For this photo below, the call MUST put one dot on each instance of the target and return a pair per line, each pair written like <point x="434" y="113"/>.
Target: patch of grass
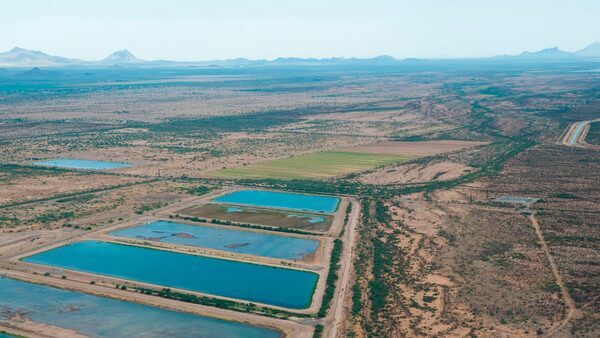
<point x="219" y="303"/>
<point x="199" y="190"/>
<point x="78" y="199"/>
<point x="565" y="195"/>
<point x="6" y="334"/>
<point x="494" y="248"/>
<point x="148" y="207"/>
<point x="318" y="331"/>
<point x="319" y="165"/>
<point x="249" y="226"/>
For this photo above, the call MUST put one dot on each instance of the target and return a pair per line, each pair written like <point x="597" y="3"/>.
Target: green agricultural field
<point x="319" y="165"/>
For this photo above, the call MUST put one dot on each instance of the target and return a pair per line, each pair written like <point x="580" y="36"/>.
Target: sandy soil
<point x="415" y="173"/>
<point x="572" y="312"/>
<point x="20" y="322"/>
<point x="36" y="187"/>
<point x="421" y="148"/>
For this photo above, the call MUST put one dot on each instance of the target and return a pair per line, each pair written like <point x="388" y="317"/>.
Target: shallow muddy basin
<point x="72" y="163"/>
<point x="220" y="277"/>
<point x="103" y="317"/>
<point x="281" y="200"/>
<point x="240" y="241"/>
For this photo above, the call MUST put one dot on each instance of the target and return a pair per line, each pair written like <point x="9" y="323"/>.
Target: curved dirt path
<point x="572" y="312"/>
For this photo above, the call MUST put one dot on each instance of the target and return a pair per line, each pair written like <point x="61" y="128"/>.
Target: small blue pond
<point x="72" y="163"/>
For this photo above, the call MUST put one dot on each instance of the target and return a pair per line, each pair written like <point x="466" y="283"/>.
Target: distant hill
<point x="378" y="60"/>
<point x="592" y="50"/>
<point x="547" y="54"/>
<point x="38" y="72"/>
<point x="19" y="57"/>
<point x="122" y="56"/>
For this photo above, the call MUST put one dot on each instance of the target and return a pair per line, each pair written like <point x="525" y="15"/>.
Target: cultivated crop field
<point x="319" y="165"/>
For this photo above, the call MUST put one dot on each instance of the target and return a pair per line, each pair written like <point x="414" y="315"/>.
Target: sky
<point x="194" y="30"/>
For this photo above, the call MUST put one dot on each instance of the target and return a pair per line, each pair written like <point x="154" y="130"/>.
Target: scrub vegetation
<point x="435" y="255"/>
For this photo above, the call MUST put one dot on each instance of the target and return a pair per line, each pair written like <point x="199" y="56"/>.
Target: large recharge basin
<point x="72" y="163"/>
<point x="245" y="242"/>
<point x="245" y="281"/>
<point x="576" y="132"/>
<point x="282" y="200"/>
<point x="102" y="317"/>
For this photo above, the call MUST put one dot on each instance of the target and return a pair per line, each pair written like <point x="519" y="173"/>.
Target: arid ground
<point x="431" y="159"/>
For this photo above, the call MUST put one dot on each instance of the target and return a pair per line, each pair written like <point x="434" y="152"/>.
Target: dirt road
<point x="335" y="319"/>
<point x="572" y="309"/>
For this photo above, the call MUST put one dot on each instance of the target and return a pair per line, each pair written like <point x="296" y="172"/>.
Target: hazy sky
<point x="201" y="30"/>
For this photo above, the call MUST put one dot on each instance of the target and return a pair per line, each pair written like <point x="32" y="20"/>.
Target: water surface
<point x="578" y="129"/>
<point x="311" y="219"/>
<point x="246" y="281"/>
<point x="103" y="317"/>
<point x="72" y="163"/>
<point x="282" y="200"/>
<point x="245" y="242"/>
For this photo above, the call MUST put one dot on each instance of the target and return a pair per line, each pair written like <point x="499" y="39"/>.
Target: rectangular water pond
<point x="282" y="200"/>
<point x="576" y="132"/>
<point x="72" y="163"/>
<point x="245" y="242"/>
<point x="245" y="281"/>
<point x="103" y="317"/>
<point x="257" y="215"/>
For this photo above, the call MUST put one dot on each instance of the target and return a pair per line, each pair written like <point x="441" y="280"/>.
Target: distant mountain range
<point x="19" y="57"/>
<point x="591" y="51"/>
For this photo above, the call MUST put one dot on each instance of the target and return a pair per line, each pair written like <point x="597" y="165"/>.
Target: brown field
<point x="260" y="216"/>
<point x="92" y="210"/>
<point x="37" y="187"/>
<point x="415" y="173"/>
<point x="421" y="148"/>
